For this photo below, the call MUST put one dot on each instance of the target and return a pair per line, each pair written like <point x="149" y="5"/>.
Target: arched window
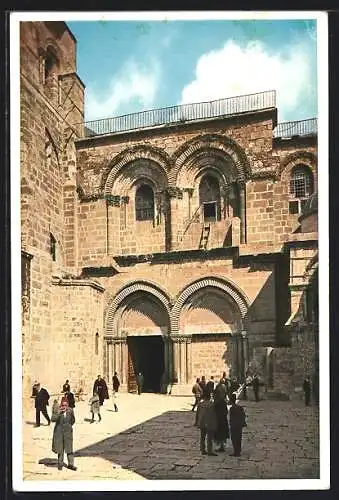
<point x="144" y="203"/>
<point x="51" y="64"/>
<point x="53" y="246"/>
<point x="97" y="343"/>
<point x="209" y="198"/>
<point x="301" y="188"/>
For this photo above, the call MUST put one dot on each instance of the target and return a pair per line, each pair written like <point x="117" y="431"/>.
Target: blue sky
<point x="129" y="66"/>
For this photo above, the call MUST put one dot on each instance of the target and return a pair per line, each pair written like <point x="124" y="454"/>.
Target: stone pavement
<point x="153" y="437"/>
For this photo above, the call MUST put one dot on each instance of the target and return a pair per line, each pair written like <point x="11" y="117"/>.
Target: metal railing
<point x="182" y="113"/>
<point x="301" y="127"/>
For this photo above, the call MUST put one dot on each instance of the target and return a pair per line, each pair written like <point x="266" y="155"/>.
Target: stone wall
<point x="76" y="342"/>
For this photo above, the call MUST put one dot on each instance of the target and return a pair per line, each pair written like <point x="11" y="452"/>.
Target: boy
<point x="207" y="422"/>
<point x="237" y="422"/>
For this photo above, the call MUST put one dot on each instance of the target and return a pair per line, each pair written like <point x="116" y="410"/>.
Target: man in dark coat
<point x="116" y="385"/>
<point x="66" y="387"/>
<point x="207" y="422"/>
<point x="210" y="386"/>
<point x="63" y="434"/>
<point x="202" y="384"/>
<point x="100" y="387"/>
<point x="222" y="432"/>
<point x="140" y="382"/>
<point x="255" y="385"/>
<point x="41" y="402"/>
<point x="307" y="390"/>
<point x="237" y="422"/>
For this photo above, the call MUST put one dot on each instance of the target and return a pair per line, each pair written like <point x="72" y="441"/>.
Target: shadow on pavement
<point x="166" y="446"/>
<point x="50" y="462"/>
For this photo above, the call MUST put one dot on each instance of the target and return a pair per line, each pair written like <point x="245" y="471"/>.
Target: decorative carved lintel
<point x="174" y="192"/>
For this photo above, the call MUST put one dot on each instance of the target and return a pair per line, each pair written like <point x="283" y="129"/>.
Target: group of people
<point x="63" y="414"/>
<point x="100" y="393"/>
<point x="211" y="401"/>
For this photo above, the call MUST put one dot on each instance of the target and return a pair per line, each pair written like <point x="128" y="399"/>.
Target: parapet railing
<point x="301" y="127"/>
<point x="182" y="113"/>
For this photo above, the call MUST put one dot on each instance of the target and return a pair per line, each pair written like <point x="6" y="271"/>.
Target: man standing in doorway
<point x="140" y="382"/>
<point x="116" y="385"/>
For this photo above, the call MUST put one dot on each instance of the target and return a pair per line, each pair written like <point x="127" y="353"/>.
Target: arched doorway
<point x="143" y="321"/>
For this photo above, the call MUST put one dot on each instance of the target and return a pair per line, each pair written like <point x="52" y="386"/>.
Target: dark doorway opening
<point x="147" y="356"/>
<point x="210" y="211"/>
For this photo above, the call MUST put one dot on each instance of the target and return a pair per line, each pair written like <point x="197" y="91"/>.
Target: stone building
<point x="170" y="241"/>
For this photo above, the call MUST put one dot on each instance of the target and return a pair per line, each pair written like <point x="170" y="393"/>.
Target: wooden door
<point x="131" y="376"/>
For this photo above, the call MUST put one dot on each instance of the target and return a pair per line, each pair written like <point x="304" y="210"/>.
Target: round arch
<point x="220" y="146"/>
<point x="227" y="286"/>
<point x="130" y="288"/>
<point x="129" y="155"/>
<point x="300" y="157"/>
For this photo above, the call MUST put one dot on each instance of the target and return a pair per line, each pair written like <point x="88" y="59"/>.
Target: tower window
<point x="52" y="246"/>
<point x="97" y="343"/>
<point x="301" y="187"/>
<point x="144" y="203"/>
<point x="51" y="63"/>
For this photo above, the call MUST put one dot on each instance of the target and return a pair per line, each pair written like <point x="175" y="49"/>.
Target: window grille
<point x="144" y="203"/>
<point x="301" y="183"/>
<point x="301" y="187"/>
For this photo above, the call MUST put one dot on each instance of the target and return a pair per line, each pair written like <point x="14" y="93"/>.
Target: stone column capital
<point x="115" y="340"/>
<point x="180" y="339"/>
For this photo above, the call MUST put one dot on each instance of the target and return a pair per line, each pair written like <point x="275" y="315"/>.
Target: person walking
<point x="95" y="406"/>
<point x="255" y="385"/>
<point x="197" y="391"/>
<point x="207" y="422"/>
<point x="41" y="403"/>
<point x="237" y="422"/>
<point x="66" y="387"/>
<point x="222" y="432"/>
<point x="307" y="390"/>
<point x="100" y="387"/>
<point x="63" y="434"/>
<point x="116" y="385"/>
<point x="140" y="382"/>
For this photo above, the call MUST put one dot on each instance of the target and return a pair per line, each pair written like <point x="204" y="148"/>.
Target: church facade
<point x="176" y="242"/>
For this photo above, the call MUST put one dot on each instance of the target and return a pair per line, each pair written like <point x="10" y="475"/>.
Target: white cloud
<point x="134" y="88"/>
<point x="234" y="70"/>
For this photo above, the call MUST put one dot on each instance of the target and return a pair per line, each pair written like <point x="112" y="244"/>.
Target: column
<point x="124" y="361"/>
<point x="176" y="361"/>
<point x="110" y="360"/>
<point x="166" y="359"/>
<point x="189" y="360"/>
<point x="242" y="193"/>
<point x="183" y="364"/>
<point x="119" y="358"/>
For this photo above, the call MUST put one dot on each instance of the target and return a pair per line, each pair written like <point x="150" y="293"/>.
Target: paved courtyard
<point x="153" y="437"/>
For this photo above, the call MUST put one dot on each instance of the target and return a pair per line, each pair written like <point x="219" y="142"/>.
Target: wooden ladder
<point x="206" y="228"/>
